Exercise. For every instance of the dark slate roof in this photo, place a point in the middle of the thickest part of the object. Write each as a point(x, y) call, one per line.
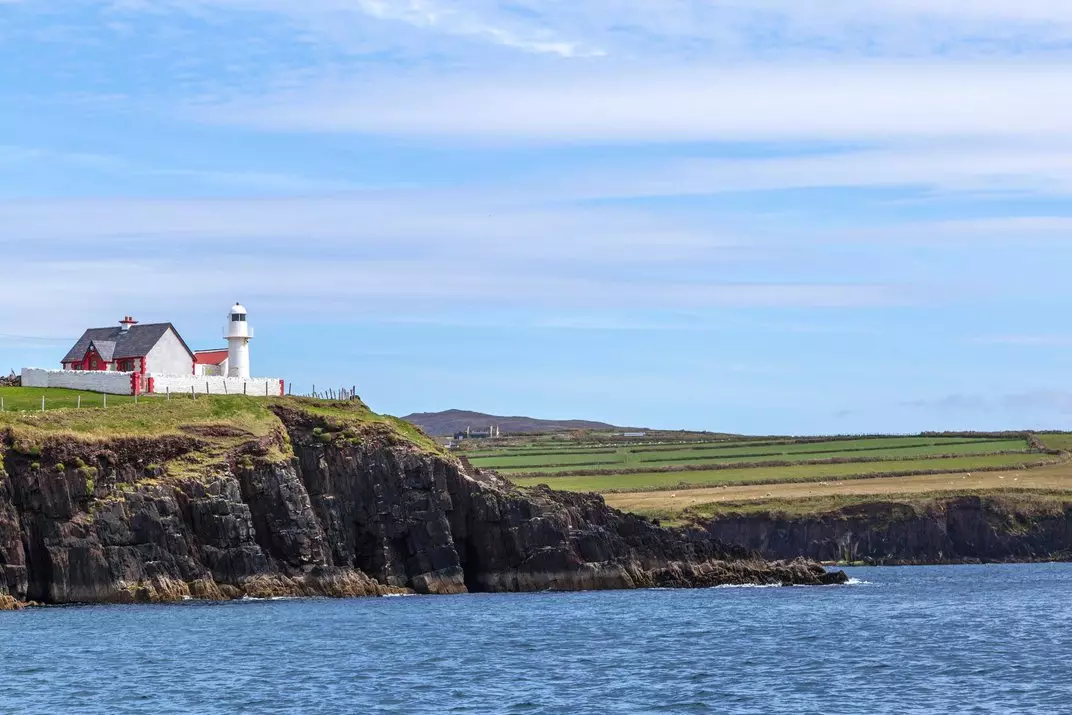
point(133, 343)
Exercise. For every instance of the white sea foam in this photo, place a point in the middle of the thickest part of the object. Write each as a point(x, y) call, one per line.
point(750, 585)
point(857, 582)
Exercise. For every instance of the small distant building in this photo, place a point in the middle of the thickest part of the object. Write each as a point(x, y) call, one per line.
point(470, 433)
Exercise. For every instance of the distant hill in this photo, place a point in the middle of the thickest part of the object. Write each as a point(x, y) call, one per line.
point(439, 424)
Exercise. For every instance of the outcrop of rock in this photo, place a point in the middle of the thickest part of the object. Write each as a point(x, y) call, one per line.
point(956, 529)
point(92, 521)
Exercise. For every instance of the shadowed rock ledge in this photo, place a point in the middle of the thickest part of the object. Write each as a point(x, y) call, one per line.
point(317, 506)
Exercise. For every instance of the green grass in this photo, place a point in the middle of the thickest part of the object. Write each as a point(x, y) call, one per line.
point(29, 398)
point(356, 414)
point(1057, 440)
point(630, 459)
point(807, 472)
point(222, 423)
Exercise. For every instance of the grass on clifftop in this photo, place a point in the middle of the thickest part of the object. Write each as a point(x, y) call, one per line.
point(222, 422)
point(355, 413)
point(18, 399)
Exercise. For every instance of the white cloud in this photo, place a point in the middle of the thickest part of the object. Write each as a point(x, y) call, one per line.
point(684, 27)
point(346, 21)
point(733, 103)
point(473, 223)
point(294, 287)
point(979, 167)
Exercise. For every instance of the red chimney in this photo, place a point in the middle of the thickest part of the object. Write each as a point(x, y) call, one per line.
point(127, 321)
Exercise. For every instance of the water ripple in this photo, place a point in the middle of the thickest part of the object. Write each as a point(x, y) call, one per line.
point(986, 639)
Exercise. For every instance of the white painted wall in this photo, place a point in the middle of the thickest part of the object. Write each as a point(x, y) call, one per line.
point(169, 356)
point(216, 385)
point(114, 383)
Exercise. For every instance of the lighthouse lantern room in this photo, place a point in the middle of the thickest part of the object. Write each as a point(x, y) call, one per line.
point(238, 334)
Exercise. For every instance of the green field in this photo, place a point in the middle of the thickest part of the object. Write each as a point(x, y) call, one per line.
point(18, 399)
point(1062, 441)
point(635, 458)
point(675, 461)
point(676, 480)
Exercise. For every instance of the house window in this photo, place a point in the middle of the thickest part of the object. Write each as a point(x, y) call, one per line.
point(126, 366)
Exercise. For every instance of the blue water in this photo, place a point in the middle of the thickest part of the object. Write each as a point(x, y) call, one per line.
point(923, 639)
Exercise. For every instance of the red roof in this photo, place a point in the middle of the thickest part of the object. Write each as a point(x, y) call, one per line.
point(209, 357)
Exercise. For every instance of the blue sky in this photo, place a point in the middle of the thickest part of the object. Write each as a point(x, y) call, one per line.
point(759, 216)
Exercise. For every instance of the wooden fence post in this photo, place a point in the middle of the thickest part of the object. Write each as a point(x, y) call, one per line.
point(42, 403)
point(79, 401)
point(105, 397)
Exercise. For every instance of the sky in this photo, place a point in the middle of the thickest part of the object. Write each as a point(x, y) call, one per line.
point(755, 216)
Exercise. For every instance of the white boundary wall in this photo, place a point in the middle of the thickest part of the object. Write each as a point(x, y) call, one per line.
point(114, 383)
point(216, 385)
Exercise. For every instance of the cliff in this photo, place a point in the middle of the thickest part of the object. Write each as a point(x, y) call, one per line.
point(225, 497)
point(989, 527)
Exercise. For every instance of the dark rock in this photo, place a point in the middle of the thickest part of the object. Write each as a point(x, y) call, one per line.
point(344, 517)
point(961, 529)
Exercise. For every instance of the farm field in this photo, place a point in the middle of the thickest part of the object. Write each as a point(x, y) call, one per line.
point(667, 463)
point(820, 496)
point(647, 460)
point(802, 472)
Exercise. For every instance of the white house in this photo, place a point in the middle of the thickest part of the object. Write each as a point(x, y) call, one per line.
point(130, 347)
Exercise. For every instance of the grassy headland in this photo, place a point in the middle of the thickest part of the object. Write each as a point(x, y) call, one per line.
point(204, 433)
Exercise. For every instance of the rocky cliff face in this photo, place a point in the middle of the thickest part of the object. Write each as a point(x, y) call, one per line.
point(98, 521)
point(988, 528)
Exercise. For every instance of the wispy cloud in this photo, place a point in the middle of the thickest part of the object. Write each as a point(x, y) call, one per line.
point(734, 103)
point(689, 27)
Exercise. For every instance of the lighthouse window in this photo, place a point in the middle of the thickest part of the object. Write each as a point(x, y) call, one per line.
point(237, 318)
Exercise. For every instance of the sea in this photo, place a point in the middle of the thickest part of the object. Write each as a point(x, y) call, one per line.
point(944, 639)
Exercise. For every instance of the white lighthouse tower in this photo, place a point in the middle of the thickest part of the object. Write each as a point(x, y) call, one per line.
point(238, 334)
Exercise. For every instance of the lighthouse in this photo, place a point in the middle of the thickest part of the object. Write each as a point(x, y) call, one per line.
point(238, 335)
